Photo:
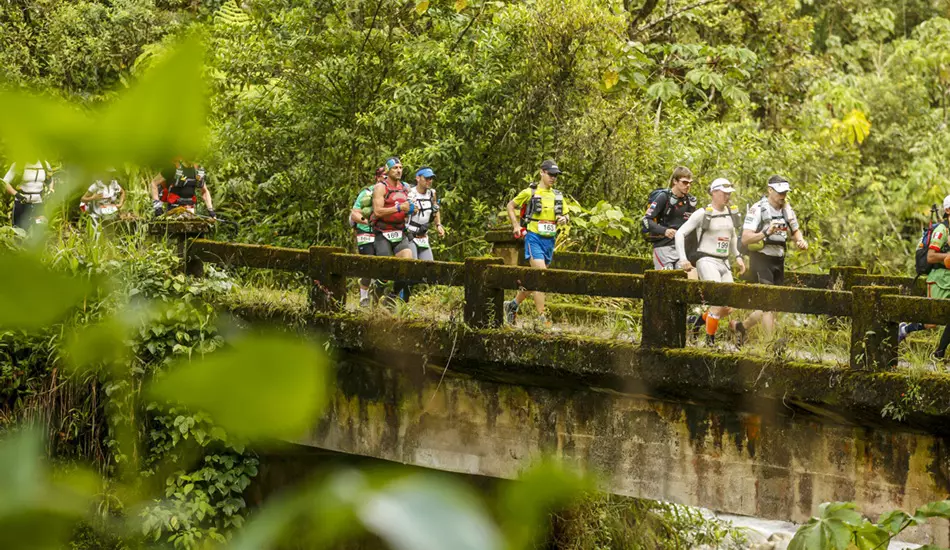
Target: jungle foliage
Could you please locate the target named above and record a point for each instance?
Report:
(304, 98)
(848, 99)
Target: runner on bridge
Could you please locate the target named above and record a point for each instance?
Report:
(427, 216)
(938, 280)
(391, 207)
(667, 211)
(765, 233)
(28, 183)
(715, 227)
(179, 185)
(544, 212)
(360, 216)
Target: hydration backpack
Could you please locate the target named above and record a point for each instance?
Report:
(651, 200)
(921, 265)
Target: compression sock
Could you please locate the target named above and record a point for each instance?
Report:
(712, 325)
(913, 327)
(364, 293)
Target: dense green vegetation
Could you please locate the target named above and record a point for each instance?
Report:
(305, 97)
(846, 98)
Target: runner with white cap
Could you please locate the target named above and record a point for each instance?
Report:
(766, 234)
(716, 226)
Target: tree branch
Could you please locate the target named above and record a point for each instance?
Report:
(671, 16)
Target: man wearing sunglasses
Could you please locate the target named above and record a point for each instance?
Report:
(668, 211)
(543, 213)
(768, 227)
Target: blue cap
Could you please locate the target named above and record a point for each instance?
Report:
(425, 172)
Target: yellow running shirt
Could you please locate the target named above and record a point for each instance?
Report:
(547, 219)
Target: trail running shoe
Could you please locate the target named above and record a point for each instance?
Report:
(901, 332)
(710, 340)
(542, 323)
(365, 302)
(511, 312)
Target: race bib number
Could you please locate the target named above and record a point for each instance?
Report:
(422, 242)
(393, 236)
(108, 209)
(722, 245)
(365, 238)
(547, 228)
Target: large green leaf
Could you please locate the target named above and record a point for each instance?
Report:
(540, 490)
(265, 386)
(38, 510)
(158, 118)
(428, 513)
(833, 530)
(35, 296)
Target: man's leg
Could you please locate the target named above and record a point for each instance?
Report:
(538, 296)
(403, 249)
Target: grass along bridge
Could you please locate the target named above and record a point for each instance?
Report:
(765, 435)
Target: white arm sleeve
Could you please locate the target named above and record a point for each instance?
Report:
(694, 221)
(11, 174)
(734, 244)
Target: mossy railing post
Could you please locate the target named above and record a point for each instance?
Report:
(842, 277)
(483, 305)
(664, 315)
(328, 292)
(873, 340)
(194, 266)
(505, 246)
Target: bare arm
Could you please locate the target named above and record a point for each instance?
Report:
(206, 196)
(356, 216)
(121, 197)
(90, 196)
(156, 181)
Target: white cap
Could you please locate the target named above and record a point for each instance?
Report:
(946, 202)
(780, 186)
(721, 184)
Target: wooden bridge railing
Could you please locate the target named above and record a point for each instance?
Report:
(874, 303)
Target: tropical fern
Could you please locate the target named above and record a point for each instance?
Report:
(231, 14)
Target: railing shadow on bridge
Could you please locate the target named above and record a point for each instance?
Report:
(875, 304)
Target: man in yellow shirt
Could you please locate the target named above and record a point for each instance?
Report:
(543, 212)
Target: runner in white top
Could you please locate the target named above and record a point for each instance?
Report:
(27, 184)
(426, 214)
(104, 200)
(716, 224)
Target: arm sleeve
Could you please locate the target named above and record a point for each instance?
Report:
(653, 211)
(10, 175)
(792, 219)
(734, 244)
(939, 238)
(522, 197)
(694, 221)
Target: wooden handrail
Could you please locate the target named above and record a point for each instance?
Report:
(874, 302)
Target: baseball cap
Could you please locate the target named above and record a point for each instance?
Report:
(946, 202)
(721, 184)
(550, 167)
(425, 172)
(779, 184)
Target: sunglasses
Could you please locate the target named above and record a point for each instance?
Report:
(687, 182)
(552, 175)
